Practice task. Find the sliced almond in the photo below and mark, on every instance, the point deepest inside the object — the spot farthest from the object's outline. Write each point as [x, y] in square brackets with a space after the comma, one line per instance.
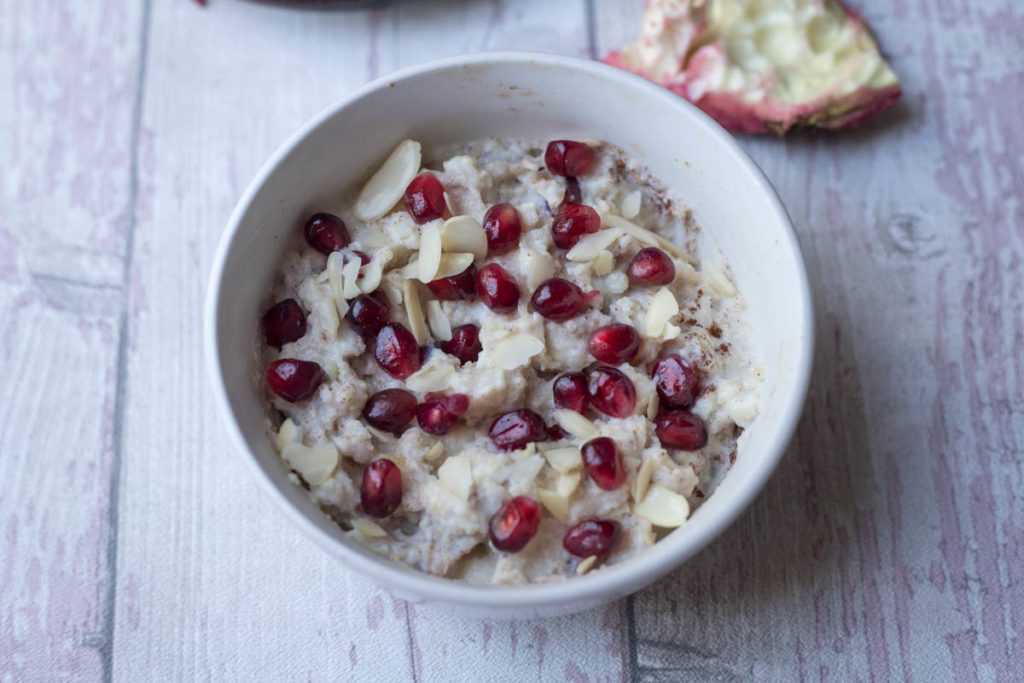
[382, 436]
[564, 460]
[663, 307]
[516, 350]
[336, 275]
[449, 204]
[315, 464]
[671, 332]
[350, 275]
[556, 503]
[687, 273]
[321, 277]
[643, 478]
[413, 308]
[717, 279]
[456, 475]
[367, 528]
[385, 187]
[373, 272]
[603, 263]
[652, 406]
[539, 267]
[531, 448]
[576, 424]
[434, 452]
[411, 270]
[568, 483]
[287, 434]
[431, 378]
[591, 245]
[373, 237]
[430, 251]
[646, 237]
[663, 507]
[453, 264]
[327, 308]
[440, 327]
[464, 234]
[585, 565]
[629, 207]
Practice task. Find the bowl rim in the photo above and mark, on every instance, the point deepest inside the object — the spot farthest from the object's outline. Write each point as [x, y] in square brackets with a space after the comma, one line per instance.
[617, 580]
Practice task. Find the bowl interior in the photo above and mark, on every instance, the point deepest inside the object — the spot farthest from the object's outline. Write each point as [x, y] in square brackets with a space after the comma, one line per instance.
[539, 97]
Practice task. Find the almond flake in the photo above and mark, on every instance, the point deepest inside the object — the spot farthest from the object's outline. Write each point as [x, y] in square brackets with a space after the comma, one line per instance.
[315, 464]
[453, 264]
[367, 528]
[556, 503]
[411, 270]
[380, 435]
[326, 309]
[663, 307]
[585, 565]
[531, 449]
[464, 234]
[717, 279]
[603, 263]
[438, 321]
[539, 267]
[629, 207]
[591, 245]
[568, 483]
[372, 274]
[576, 424]
[652, 406]
[663, 507]
[564, 460]
[373, 237]
[516, 350]
[671, 332]
[434, 452]
[385, 187]
[350, 275]
[456, 475]
[687, 273]
[430, 251]
[448, 203]
[643, 478]
[417, 323]
[336, 276]
[430, 378]
[287, 434]
[646, 237]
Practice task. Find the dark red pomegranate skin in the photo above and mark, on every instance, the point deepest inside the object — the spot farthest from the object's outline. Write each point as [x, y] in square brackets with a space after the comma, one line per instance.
[455, 287]
[464, 344]
[597, 537]
[514, 429]
[503, 227]
[611, 392]
[603, 462]
[515, 524]
[294, 380]
[368, 314]
[390, 410]
[681, 429]
[380, 491]
[396, 351]
[570, 391]
[284, 322]
[497, 289]
[438, 413]
[614, 344]
[677, 381]
[568, 158]
[651, 266]
[424, 198]
[558, 299]
[573, 221]
[326, 232]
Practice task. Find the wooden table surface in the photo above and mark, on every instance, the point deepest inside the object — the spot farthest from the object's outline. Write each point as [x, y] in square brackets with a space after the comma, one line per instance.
[134, 545]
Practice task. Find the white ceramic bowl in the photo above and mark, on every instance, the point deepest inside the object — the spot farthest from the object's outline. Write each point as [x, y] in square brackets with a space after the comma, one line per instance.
[542, 97]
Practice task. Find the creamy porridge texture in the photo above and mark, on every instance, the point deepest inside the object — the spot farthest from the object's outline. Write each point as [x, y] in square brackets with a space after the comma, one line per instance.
[501, 363]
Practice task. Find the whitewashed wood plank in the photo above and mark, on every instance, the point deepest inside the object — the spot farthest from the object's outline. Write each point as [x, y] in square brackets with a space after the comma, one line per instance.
[65, 191]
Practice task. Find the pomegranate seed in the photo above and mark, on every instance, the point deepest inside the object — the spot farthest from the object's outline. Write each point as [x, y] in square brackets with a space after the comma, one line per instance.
[614, 344]
[592, 537]
[557, 299]
[573, 221]
[284, 322]
[604, 463]
[438, 413]
[570, 390]
[516, 428]
[503, 228]
[681, 429]
[556, 433]
[294, 380]
[396, 351]
[651, 266]
[390, 410]
[456, 287]
[364, 258]
[424, 198]
[568, 158]
[368, 314]
[515, 524]
[326, 233]
[497, 288]
[678, 384]
[573, 193]
[381, 488]
[611, 392]
[464, 344]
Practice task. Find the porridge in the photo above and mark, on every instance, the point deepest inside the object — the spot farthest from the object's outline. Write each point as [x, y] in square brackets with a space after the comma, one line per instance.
[502, 364]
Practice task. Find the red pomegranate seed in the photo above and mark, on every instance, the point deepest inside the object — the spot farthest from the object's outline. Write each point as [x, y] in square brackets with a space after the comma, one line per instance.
[438, 413]
[568, 158]
[390, 410]
[604, 463]
[363, 257]
[516, 428]
[326, 233]
[294, 380]
[396, 351]
[456, 287]
[611, 392]
[557, 299]
[368, 314]
[556, 433]
[515, 524]
[497, 288]
[678, 383]
[284, 322]
[592, 537]
[503, 228]
[464, 344]
[615, 344]
[570, 390]
[381, 488]
[573, 193]
[573, 221]
[424, 198]
[681, 429]
[651, 266]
